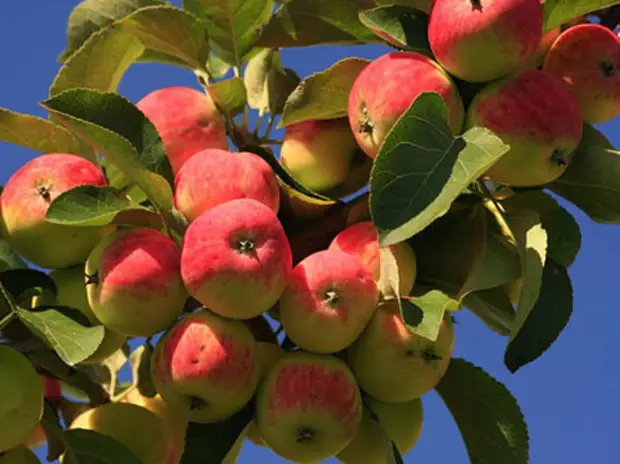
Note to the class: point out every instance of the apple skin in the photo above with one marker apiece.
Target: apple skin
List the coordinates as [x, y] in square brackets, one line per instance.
[134, 284]
[361, 241]
[586, 58]
[19, 455]
[371, 445]
[206, 366]
[535, 114]
[52, 391]
[401, 421]
[71, 292]
[187, 121]
[482, 40]
[21, 398]
[309, 407]
[387, 87]
[328, 302]
[394, 365]
[140, 430]
[212, 177]
[25, 200]
[236, 259]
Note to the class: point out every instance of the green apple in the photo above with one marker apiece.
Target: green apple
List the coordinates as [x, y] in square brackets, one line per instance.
[19, 455]
[371, 445]
[401, 421]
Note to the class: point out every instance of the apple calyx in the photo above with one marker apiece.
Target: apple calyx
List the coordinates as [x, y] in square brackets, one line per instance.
[557, 157]
[45, 192]
[92, 279]
[305, 434]
[196, 404]
[332, 298]
[476, 4]
[608, 69]
[245, 246]
[366, 126]
[430, 355]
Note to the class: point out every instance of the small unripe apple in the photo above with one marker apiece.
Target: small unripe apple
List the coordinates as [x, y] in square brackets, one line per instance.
[401, 421]
[371, 445]
[19, 455]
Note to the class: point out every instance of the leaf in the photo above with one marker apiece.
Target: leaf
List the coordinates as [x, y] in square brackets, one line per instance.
[140, 360]
[217, 67]
[487, 415]
[300, 23]
[233, 25]
[493, 307]
[255, 78]
[421, 168]
[546, 320]
[389, 280]
[558, 12]
[53, 432]
[72, 341]
[229, 95]
[324, 95]
[401, 26]
[18, 281]
[116, 128]
[424, 312]
[9, 259]
[89, 447]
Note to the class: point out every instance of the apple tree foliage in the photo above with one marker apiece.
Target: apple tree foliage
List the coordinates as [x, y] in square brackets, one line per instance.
[473, 240]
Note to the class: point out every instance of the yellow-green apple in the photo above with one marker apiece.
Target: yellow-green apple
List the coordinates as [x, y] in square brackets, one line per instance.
[535, 114]
[329, 299]
[187, 121]
[71, 292]
[206, 366]
[401, 421]
[387, 87]
[212, 177]
[371, 445]
[53, 393]
[19, 455]
[321, 153]
[361, 241]
[21, 398]
[140, 430]
[236, 258]
[393, 364]
[134, 282]
[587, 59]
[24, 203]
[482, 40]
[309, 407]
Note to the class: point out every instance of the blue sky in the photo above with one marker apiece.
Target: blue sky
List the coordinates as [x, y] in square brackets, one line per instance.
[569, 397]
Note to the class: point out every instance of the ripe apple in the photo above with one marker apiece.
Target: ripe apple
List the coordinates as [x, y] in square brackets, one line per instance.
[534, 113]
[25, 200]
[309, 407]
[394, 365]
[212, 177]
[71, 292]
[386, 88]
[206, 366]
[361, 241]
[328, 302]
[19, 455]
[140, 430]
[134, 284]
[187, 121]
[587, 59]
[21, 398]
[236, 259]
[482, 40]
[371, 445]
[401, 421]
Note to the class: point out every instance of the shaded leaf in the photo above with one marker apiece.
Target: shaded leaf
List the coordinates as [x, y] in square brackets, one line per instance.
[53, 432]
[89, 447]
[18, 281]
[493, 307]
[229, 95]
[9, 259]
[140, 360]
[558, 12]
[424, 311]
[401, 26]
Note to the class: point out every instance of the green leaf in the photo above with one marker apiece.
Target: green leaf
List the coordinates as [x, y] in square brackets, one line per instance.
[88, 447]
[546, 320]
[217, 67]
[558, 12]
[116, 128]
[487, 415]
[9, 259]
[421, 168]
[140, 361]
[424, 311]
[300, 23]
[72, 341]
[233, 25]
[324, 95]
[401, 26]
[493, 307]
[229, 95]
[389, 280]
[255, 78]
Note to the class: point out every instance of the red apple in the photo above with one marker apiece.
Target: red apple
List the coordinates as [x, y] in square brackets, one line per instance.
[387, 87]
[587, 58]
[187, 121]
[24, 203]
[236, 259]
[213, 176]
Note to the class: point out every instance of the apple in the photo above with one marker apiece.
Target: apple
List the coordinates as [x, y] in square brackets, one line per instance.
[71, 292]
[24, 203]
[19, 455]
[387, 87]
[393, 364]
[187, 121]
[206, 366]
[401, 421]
[309, 407]
[21, 398]
[329, 300]
[53, 393]
[212, 177]
[534, 113]
[134, 284]
[236, 258]
[140, 430]
[482, 40]
[586, 58]
[361, 241]
[371, 445]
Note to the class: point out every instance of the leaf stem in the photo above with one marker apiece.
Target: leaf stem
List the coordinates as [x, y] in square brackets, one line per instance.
[6, 319]
[259, 123]
[270, 124]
